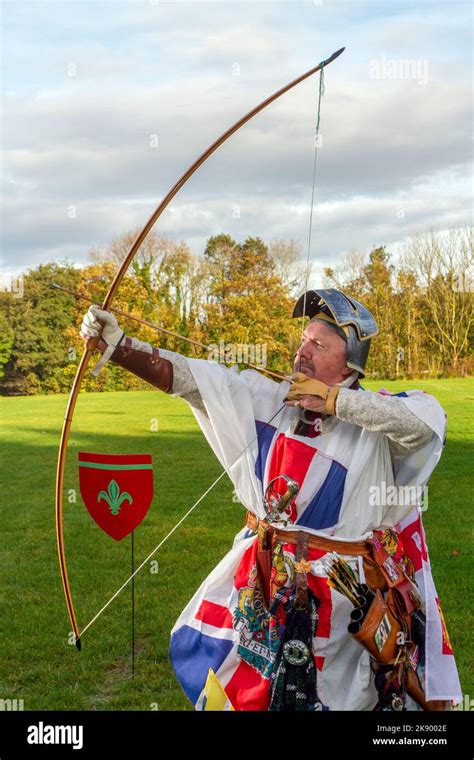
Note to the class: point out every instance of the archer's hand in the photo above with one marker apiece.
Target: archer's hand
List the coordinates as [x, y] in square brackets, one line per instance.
[310, 393]
[99, 322]
[312, 403]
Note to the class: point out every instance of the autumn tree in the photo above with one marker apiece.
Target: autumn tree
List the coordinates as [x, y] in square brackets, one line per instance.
[247, 301]
[36, 326]
[443, 267]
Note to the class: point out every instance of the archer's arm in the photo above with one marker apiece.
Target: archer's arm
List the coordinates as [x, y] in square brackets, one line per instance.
[166, 370]
[384, 414]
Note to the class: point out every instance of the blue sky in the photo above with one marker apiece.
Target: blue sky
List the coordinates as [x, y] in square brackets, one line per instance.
[87, 86]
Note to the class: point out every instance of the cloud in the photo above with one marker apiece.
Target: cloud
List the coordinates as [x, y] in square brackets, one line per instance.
[153, 85]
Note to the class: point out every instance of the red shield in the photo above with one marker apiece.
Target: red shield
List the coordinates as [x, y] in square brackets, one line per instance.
[117, 490]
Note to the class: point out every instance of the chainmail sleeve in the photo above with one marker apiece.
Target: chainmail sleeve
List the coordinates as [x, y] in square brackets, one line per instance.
[384, 414]
[184, 385]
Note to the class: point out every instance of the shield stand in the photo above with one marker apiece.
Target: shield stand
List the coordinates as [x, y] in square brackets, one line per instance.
[133, 603]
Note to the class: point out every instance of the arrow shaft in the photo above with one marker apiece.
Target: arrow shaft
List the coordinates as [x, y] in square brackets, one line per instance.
[140, 321]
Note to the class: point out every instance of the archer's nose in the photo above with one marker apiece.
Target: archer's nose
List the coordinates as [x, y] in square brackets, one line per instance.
[304, 351]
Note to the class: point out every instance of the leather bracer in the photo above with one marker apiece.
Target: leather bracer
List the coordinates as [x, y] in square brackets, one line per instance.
[146, 364]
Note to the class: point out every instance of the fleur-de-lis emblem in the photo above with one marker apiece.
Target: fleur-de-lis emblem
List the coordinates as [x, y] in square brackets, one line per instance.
[114, 498]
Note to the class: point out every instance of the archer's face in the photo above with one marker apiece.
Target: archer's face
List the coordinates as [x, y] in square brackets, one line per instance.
[322, 354]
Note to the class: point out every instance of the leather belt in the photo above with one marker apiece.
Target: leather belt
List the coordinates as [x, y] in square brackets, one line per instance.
[352, 548]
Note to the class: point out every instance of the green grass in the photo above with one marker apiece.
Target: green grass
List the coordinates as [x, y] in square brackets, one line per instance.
[36, 662]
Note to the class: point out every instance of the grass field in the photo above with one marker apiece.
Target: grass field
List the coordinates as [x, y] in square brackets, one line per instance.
[36, 663]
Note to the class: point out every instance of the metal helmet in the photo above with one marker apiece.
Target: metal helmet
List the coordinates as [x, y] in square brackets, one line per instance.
[351, 319]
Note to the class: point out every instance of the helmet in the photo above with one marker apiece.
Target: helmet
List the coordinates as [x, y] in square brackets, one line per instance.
[351, 319]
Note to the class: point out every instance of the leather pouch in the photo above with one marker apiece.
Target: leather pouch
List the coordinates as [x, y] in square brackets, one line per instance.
[374, 577]
[379, 631]
[406, 598]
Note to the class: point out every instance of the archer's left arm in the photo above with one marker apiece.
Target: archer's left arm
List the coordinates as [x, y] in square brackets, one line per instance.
[166, 370]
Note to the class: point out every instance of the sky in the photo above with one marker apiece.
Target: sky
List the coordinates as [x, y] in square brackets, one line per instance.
[105, 104]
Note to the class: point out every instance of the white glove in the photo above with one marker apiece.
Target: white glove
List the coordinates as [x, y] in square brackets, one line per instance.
[99, 322]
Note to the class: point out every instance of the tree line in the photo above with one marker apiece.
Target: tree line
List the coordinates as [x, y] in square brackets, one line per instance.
[238, 298]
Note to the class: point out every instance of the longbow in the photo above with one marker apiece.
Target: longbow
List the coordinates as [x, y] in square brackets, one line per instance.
[92, 344]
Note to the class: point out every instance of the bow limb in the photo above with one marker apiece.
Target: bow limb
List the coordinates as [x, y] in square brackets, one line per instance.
[81, 370]
[91, 345]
